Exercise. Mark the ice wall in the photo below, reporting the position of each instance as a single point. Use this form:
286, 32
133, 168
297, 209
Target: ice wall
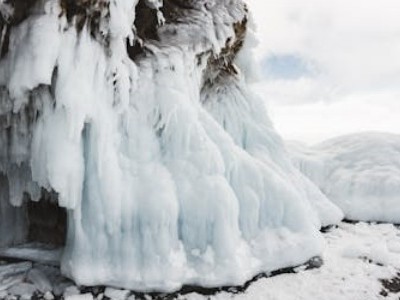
360, 173
168, 165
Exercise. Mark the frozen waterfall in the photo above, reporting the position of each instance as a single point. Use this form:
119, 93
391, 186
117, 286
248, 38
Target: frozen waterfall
137, 115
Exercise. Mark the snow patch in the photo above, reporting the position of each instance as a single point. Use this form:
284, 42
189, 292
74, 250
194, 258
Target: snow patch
346, 274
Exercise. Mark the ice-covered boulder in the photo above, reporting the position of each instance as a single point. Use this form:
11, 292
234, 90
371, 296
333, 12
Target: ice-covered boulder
137, 115
360, 173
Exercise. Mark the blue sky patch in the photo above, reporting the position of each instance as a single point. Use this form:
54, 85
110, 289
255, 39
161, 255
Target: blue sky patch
286, 67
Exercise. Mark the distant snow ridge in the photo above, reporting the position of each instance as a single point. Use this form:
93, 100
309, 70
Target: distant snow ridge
360, 173
168, 165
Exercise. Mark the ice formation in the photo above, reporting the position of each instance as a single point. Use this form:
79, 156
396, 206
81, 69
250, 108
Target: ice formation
138, 116
360, 173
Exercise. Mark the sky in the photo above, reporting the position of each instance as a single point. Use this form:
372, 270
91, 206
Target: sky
329, 68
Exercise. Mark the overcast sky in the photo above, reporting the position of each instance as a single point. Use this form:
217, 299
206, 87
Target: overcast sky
329, 67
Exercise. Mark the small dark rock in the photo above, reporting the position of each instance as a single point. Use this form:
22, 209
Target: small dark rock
314, 263
391, 285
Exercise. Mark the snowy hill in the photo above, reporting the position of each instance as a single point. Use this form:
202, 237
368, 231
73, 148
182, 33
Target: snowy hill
360, 173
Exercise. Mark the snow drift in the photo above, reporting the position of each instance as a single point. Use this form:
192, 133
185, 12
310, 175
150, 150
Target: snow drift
137, 115
360, 173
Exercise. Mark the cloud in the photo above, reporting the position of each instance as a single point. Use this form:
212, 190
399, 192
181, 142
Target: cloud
355, 44
330, 67
283, 91
315, 122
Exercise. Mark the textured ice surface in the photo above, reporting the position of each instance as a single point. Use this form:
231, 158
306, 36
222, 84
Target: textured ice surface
360, 173
40, 280
12, 277
168, 165
23, 289
12, 220
14, 269
33, 252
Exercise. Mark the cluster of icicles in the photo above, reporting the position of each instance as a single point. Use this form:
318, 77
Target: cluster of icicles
166, 180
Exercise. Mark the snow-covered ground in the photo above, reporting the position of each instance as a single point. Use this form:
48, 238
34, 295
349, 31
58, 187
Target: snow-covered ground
360, 262
356, 259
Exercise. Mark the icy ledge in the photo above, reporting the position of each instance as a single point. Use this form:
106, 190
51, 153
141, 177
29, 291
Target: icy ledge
360, 173
168, 165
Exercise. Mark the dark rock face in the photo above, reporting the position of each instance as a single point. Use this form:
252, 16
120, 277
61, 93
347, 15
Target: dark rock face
223, 65
86, 12
21, 10
91, 12
146, 24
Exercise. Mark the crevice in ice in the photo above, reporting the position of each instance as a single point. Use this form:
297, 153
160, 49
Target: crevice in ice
146, 21
4, 38
146, 24
47, 221
29, 220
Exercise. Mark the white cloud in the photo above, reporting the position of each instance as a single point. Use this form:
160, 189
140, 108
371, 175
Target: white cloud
299, 91
315, 122
355, 43
355, 47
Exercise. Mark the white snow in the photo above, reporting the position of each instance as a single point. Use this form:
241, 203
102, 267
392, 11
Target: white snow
48, 296
351, 269
167, 180
80, 297
71, 291
116, 294
360, 173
